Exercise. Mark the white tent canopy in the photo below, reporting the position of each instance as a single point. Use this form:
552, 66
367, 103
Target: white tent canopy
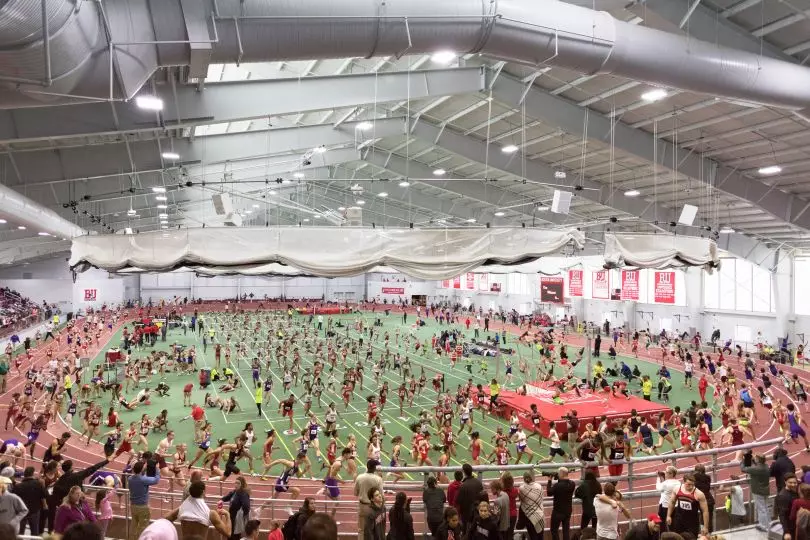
325, 252
659, 251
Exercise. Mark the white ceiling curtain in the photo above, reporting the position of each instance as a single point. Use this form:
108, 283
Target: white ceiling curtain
660, 251
325, 252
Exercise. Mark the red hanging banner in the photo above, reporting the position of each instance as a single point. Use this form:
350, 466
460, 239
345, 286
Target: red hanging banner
575, 283
470, 281
457, 282
393, 290
630, 285
665, 287
601, 285
551, 289
446, 284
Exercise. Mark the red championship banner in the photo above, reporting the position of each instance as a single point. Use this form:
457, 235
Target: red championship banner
601, 285
664, 287
457, 282
551, 289
90, 295
470, 281
575, 283
393, 290
630, 286
446, 284
483, 282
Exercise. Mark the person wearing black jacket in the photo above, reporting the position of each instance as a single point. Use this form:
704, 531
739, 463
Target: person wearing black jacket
781, 465
483, 525
467, 497
704, 483
587, 489
33, 493
450, 526
400, 520
562, 492
68, 479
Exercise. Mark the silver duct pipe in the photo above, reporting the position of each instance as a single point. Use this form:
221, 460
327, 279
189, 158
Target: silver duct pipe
529, 32
19, 209
146, 35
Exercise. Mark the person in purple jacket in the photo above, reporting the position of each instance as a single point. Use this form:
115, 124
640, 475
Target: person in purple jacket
74, 509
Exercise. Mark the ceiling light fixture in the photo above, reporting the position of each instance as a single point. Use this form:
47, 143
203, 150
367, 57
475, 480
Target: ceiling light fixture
382, 194
162, 206
725, 229
361, 203
131, 212
21, 227
255, 206
443, 57
560, 175
439, 172
632, 193
341, 208
286, 181
159, 189
319, 149
654, 95
164, 226
471, 220
364, 126
170, 155
542, 208
272, 192
248, 211
500, 214
298, 175
306, 220
149, 103
404, 183
160, 198
43, 234
770, 170
3, 221
509, 149
163, 215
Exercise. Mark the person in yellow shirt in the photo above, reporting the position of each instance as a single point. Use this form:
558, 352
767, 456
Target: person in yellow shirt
69, 386
259, 398
494, 392
646, 387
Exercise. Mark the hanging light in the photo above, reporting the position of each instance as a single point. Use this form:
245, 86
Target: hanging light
632, 193
509, 149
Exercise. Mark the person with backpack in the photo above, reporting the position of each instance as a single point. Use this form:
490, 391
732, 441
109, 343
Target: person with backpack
400, 519
374, 527
295, 523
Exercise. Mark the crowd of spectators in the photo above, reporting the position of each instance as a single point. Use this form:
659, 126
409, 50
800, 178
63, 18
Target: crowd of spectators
17, 310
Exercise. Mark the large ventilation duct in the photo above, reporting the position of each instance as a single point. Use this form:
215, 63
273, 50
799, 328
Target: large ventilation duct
21, 210
529, 32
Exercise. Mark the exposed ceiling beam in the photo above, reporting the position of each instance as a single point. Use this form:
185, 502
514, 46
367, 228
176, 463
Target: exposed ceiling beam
113, 159
492, 195
645, 210
560, 113
235, 101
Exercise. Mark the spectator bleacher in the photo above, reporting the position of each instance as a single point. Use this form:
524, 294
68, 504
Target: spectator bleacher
18, 312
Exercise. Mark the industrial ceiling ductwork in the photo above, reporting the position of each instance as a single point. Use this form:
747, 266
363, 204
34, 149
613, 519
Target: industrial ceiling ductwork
110, 48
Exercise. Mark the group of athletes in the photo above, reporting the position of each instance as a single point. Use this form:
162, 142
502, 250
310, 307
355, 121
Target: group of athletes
315, 363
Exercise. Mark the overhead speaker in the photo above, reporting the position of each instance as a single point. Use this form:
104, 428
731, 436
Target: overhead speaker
354, 216
233, 220
561, 204
688, 214
222, 204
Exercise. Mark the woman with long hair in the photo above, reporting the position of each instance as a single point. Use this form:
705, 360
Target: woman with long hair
400, 519
239, 499
74, 509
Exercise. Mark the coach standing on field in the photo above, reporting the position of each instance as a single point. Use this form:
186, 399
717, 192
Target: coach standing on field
362, 484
